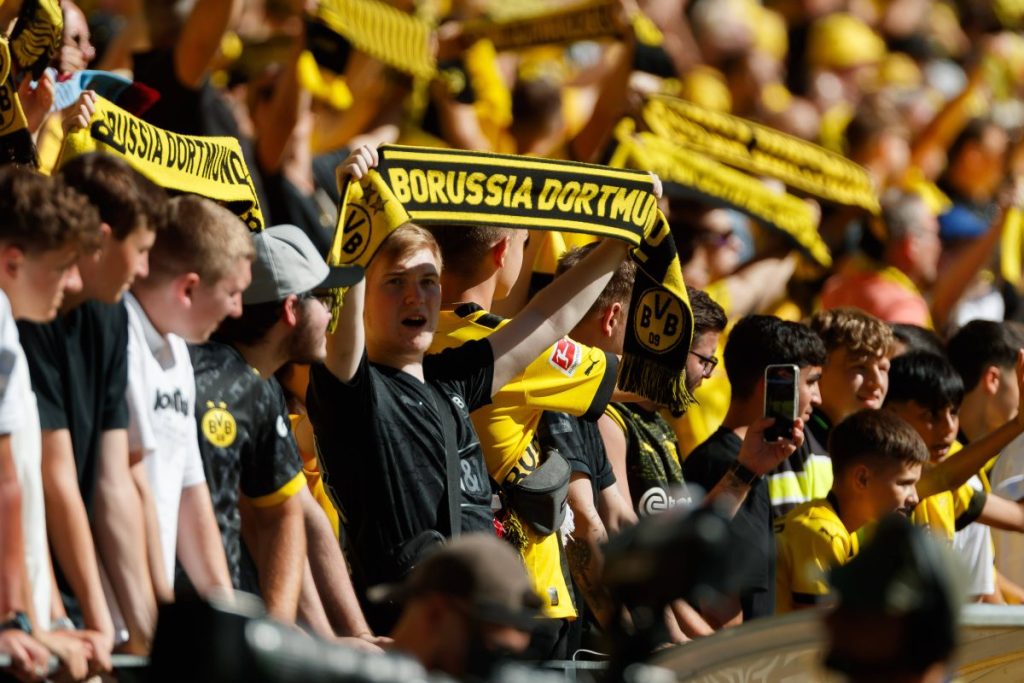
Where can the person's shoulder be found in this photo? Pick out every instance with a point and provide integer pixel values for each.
(465, 359)
(711, 458)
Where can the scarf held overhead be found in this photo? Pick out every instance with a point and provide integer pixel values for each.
(211, 167)
(761, 150)
(468, 189)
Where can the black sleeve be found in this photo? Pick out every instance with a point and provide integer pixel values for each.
(467, 369)
(43, 355)
(706, 466)
(604, 392)
(559, 430)
(115, 410)
(274, 460)
(973, 510)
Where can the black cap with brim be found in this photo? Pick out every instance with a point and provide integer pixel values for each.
(524, 618)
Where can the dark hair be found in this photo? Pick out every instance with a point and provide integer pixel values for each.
(875, 437)
(249, 328)
(40, 213)
(926, 379)
(758, 341)
(618, 289)
(708, 316)
(916, 338)
(973, 132)
(463, 248)
(125, 199)
(981, 343)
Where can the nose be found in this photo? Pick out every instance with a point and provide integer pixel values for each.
(912, 499)
(236, 306)
(142, 270)
(72, 279)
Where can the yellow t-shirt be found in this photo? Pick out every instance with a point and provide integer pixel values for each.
(569, 378)
(948, 511)
(810, 540)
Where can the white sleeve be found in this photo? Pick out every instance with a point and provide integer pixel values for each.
(12, 411)
(194, 473)
(140, 427)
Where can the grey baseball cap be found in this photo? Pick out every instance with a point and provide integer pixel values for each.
(287, 263)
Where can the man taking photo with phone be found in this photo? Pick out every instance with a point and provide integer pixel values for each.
(756, 342)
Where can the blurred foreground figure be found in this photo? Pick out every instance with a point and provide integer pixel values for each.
(899, 600)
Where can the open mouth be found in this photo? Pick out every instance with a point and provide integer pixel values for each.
(415, 322)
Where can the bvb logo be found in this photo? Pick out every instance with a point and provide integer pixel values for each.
(658, 321)
(218, 425)
(356, 235)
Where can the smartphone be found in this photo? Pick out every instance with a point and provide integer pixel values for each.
(780, 400)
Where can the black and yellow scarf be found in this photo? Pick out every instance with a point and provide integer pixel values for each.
(16, 145)
(211, 167)
(469, 189)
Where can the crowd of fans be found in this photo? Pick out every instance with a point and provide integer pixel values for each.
(176, 420)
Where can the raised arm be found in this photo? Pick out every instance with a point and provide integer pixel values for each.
(553, 312)
(958, 468)
(200, 38)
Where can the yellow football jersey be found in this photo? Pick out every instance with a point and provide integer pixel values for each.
(948, 511)
(570, 378)
(810, 540)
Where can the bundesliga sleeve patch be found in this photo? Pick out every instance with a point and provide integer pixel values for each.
(566, 356)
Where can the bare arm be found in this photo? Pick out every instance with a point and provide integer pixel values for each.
(330, 572)
(311, 608)
(120, 528)
(280, 553)
(70, 536)
(287, 101)
(756, 286)
(615, 446)
(162, 588)
(553, 312)
(345, 346)
(690, 622)
(757, 456)
(616, 512)
(200, 548)
(1000, 513)
(586, 559)
(200, 37)
(12, 549)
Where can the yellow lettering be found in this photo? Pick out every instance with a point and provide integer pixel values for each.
(568, 195)
(494, 189)
(523, 196)
(418, 181)
(622, 204)
(588, 192)
(456, 186)
(476, 192)
(435, 181)
(606, 191)
(398, 180)
(548, 194)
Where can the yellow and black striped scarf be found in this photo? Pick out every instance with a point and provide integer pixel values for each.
(212, 167)
(15, 141)
(461, 188)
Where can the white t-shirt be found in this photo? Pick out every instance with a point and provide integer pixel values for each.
(19, 417)
(974, 545)
(1007, 479)
(162, 423)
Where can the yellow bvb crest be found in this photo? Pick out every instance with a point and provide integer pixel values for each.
(218, 425)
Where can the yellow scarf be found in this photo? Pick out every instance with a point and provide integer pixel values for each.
(211, 167)
(468, 189)
(15, 141)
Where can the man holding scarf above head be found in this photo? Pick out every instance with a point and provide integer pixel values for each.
(389, 421)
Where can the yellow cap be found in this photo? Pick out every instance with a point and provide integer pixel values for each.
(705, 85)
(770, 32)
(841, 41)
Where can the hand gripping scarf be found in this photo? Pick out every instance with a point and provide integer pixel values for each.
(211, 167)
(468, 189)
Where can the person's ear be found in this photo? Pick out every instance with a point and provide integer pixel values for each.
(290, 310)
(861, 477)
(11, 260)
(991, 378)
(106, 233)
(185, 287)
(499, 252)
(610, 319)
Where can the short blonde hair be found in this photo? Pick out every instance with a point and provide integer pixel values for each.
(201, 237)
(854, 330)
(406, 240)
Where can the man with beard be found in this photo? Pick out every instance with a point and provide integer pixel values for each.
(252, 464)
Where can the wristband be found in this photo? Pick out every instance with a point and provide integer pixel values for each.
(744, 474)
(18, 621)
(63, 624)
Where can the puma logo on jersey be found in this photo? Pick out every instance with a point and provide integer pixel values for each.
(175, 401)
(566, 356)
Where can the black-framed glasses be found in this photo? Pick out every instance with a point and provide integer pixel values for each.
(707, 363)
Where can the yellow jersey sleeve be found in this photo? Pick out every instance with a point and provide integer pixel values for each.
(811, 541)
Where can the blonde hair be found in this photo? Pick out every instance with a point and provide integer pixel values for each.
(201, 237)
(405, 240)
(854, 330)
